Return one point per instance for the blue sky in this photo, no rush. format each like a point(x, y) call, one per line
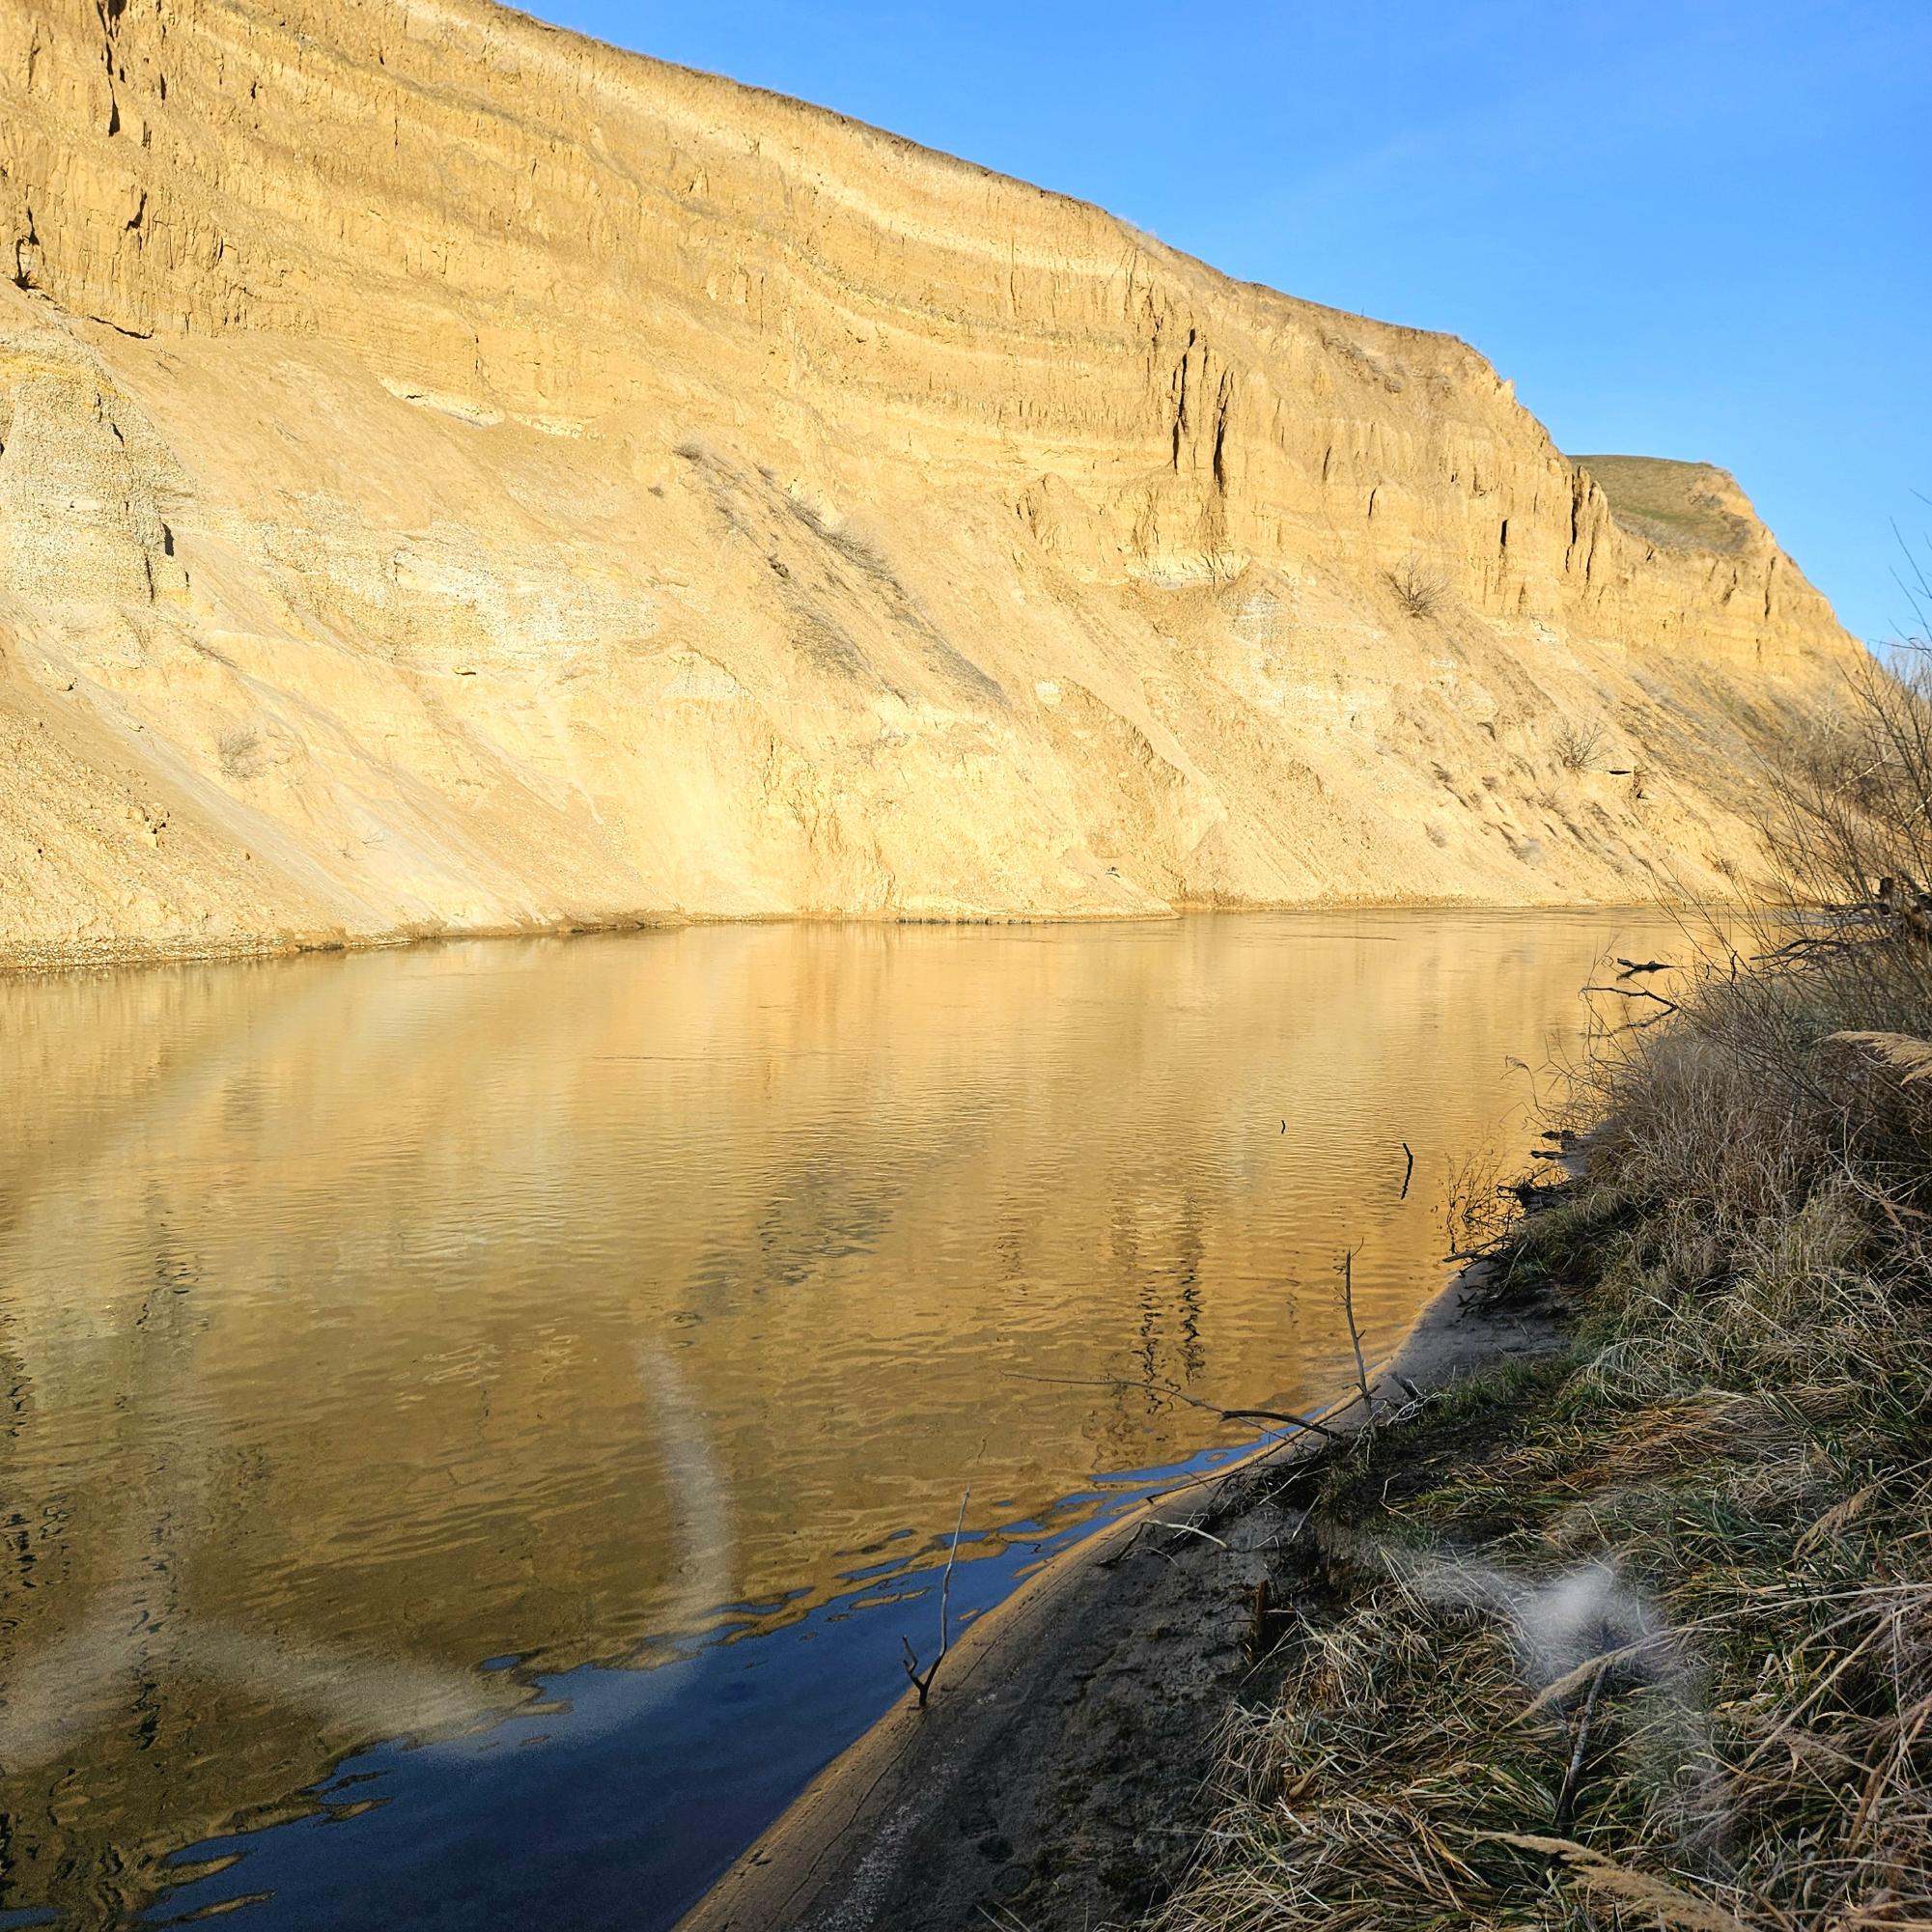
point(1694, 230)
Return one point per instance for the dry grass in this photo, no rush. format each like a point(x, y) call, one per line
point(1644, 1637)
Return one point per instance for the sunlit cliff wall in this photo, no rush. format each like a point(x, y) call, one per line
point(454, 475)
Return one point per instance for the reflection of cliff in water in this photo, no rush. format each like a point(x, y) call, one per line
point(363, 1319)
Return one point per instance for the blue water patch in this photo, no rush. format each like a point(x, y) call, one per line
point(630, 1799)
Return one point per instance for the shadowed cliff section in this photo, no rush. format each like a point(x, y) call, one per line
point(456, 476)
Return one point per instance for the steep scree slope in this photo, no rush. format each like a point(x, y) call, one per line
point(457, 476)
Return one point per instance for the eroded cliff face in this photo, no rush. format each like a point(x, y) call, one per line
point(457, 476)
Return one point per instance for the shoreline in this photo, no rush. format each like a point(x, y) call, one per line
point(57, 958)
point(1071, 1722)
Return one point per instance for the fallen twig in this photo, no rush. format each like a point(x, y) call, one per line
point(1186, 1529)
point(1566, 1798)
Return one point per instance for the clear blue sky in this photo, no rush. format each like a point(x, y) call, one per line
point(1692, 230)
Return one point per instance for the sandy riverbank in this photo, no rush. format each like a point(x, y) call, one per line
point(1058, 1773)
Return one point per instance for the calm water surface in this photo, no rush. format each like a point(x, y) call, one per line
point(476, 1422)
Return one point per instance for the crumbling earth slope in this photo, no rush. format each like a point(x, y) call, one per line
point(456, 476)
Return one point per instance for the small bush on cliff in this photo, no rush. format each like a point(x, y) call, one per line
point(1578, 746)
point(1419, 591)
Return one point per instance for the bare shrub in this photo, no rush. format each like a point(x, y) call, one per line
point(1827, 755)
point(1420, 591)
point(1477, 1209)
point(1578, 746)
point(1855, 808)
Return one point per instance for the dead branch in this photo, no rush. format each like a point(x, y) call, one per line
point(1635, 992)
point(1408, 1173)
point(1174, 1394)
point(1473, 1221)
point(924, 1683)
point(1187, 1529)
point(1257, 1629)
point(1636, 1025)
point(1346, 1269)
point(1567, 1796)
point(1805, 945)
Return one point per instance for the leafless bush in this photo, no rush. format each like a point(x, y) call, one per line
point(1578, 746)
point(1855, 807)
point(1419, 590)
point(1827, 755)
point(1477, 1208)
point(1749, 1071)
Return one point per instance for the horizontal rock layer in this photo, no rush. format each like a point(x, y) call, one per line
point(457, 476)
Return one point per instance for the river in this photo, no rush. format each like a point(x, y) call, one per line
point(477, 1422)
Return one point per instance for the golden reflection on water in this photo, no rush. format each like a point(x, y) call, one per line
point(364, 1318)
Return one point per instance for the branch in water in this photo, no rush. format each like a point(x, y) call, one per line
point(1345, 1267)
point(1168, 1390)
point(923, 1682)
point(1635, 992)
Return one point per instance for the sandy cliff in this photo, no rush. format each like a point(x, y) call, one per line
point(457, 476)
